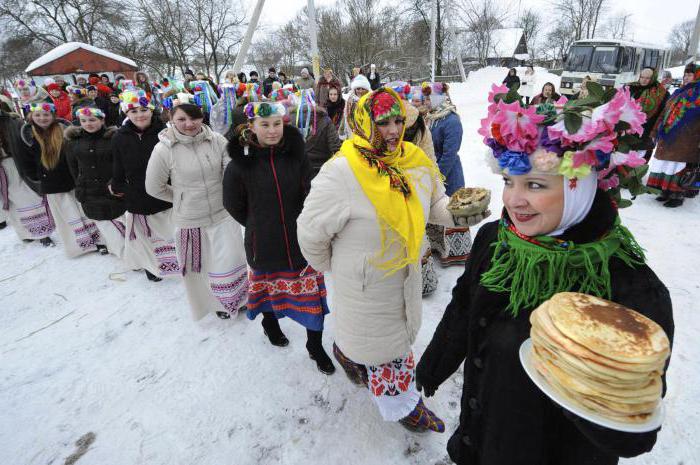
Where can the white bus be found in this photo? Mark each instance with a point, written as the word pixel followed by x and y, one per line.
pixel 610 62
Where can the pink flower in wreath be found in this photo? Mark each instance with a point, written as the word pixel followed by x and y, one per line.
pixel 631 159
pixel 608 183
pixel 587 132
pixel 518 126
pixel 630 111
pixel 584 157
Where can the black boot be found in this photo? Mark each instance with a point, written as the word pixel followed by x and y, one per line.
pixel 690 194
pixel 272 330
pixel 223 315
pixel 47 242
pixel 3 224
pixel 316 352
pixel 27 240
pixel 674 203
pixel 102 249
pixel 663 197
pixel 152 277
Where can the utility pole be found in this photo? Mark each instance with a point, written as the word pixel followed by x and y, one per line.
pixel 692 53
pixel 433 27
pixel 315 58
pixel 243 51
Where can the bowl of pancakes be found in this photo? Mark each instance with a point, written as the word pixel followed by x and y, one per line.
pixel 598 359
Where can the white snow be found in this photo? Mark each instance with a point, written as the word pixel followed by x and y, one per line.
pixel 68 47
pixel 80 352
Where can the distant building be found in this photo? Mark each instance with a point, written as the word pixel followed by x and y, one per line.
pixel 506 47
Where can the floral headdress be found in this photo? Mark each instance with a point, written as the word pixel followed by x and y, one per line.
pixel 24 84
pixel 248 92
pixel 204 95
pixel 280 95
pixel 264 110
pixel 75 90
pixel 383 105
pixel 599 132
pixel 126 84
pixel 402 88
pixel 90 111
pixel 135 98
pixel 40 106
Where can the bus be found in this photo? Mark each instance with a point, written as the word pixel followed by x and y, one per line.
pixel 610 62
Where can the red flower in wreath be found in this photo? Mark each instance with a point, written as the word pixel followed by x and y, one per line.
pixel 381 104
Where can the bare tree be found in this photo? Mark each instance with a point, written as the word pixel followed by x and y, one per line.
pixel 219 29
pixel 481 18
pixel 679 39
pixel 531 24
pixel 581 17
pixel 616 26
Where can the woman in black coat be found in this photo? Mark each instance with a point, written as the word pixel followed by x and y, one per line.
pixel 265 185
pixel 149 243
pixel 512 79
pixel 41 160
pixel 561 236
pixel 89 157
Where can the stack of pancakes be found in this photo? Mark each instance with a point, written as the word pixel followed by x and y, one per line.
pixel 600 355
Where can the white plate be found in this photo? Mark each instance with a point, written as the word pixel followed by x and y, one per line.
pixel 653 422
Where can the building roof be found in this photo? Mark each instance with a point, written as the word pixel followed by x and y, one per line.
pixel 504 42
pixel 65 49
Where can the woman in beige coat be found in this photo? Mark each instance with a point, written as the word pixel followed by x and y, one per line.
pixel 209 242
pixel 364 221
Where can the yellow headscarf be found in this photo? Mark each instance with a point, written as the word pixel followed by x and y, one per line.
pixel 401 217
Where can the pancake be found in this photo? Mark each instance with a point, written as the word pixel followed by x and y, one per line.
pixel 608 329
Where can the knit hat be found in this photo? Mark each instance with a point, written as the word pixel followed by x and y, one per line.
pixel 360 82
pixel 53 86
pixel 135 98
pixel 437 91
pixel 189 72
pixel 569 139
pixel 264 110
pixel 48 81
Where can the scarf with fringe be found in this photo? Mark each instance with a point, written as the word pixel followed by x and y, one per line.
pixel 532 269
pixel 385 180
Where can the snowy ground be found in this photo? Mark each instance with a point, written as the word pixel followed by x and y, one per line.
pixel 83 353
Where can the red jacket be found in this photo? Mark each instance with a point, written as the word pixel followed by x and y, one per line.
pixel 63 106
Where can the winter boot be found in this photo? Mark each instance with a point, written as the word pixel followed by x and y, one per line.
pixel 102 249
pixel 152 277
pixel 47 242
pixel 422 419
pixel 223 315
pixel 674 203
pixel 3 224
pixel 27 240
pixel 663 197
pixel 272 330
pixel 355 372
pixel 316 352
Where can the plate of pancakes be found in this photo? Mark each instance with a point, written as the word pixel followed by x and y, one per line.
pixel 599 360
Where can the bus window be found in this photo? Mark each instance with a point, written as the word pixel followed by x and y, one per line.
pixel 651 59
pixel 604 59
pixel 579 58
pixel 627 56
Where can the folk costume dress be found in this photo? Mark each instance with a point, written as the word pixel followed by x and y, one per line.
pixel 264 190
pixel 364 222
pixel 150 242
pixel 452 244
pixel 678 132
pixel 89 158
pixel 209 242
pixel 25 210
pixel 79 234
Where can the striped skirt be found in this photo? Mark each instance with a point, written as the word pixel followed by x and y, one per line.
pixel 27 212
pixel 296 294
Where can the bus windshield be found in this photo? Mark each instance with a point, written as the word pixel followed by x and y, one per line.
pixel 604 59
pixel 579 58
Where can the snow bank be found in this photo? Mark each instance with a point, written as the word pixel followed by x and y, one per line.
pixel 85 353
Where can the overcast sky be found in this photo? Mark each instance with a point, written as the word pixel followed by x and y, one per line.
pixel 652 20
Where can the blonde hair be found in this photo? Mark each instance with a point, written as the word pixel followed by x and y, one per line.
pixel 50 141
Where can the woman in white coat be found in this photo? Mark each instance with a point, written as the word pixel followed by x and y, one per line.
pixel 364 221
pixel 208 241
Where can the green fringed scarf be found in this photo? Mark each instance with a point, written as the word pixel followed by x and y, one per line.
pixel 532 269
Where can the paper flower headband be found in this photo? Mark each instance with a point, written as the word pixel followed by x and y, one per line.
pixel 40 106
pixel 598 133
pixel 90 111
pixel 264 110
pixel 131 99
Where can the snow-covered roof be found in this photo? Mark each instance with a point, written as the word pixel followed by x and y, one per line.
pixel 504 42
pixel 68 47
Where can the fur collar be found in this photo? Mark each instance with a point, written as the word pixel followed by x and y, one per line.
pixel 76 132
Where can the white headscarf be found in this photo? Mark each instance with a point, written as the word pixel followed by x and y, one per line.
pixel 577 202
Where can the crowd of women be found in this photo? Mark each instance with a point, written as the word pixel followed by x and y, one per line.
pixel 359 188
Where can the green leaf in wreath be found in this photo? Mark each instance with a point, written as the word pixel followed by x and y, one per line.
pixel 572 122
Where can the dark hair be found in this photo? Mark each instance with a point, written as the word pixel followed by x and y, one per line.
pixel 282 73
pixel 253 73
pixel 515 71
pixel 271 70
pixel 690 69
pixel 554 89
pixel 190 109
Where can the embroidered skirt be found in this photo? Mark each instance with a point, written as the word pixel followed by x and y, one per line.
pixel 78 233
pixel 213 264
pixel 452 244
pixel 392 385
pixel 112 234
pixel 297 294
pixel 150 244
pixel 27 212
pixel 666 175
